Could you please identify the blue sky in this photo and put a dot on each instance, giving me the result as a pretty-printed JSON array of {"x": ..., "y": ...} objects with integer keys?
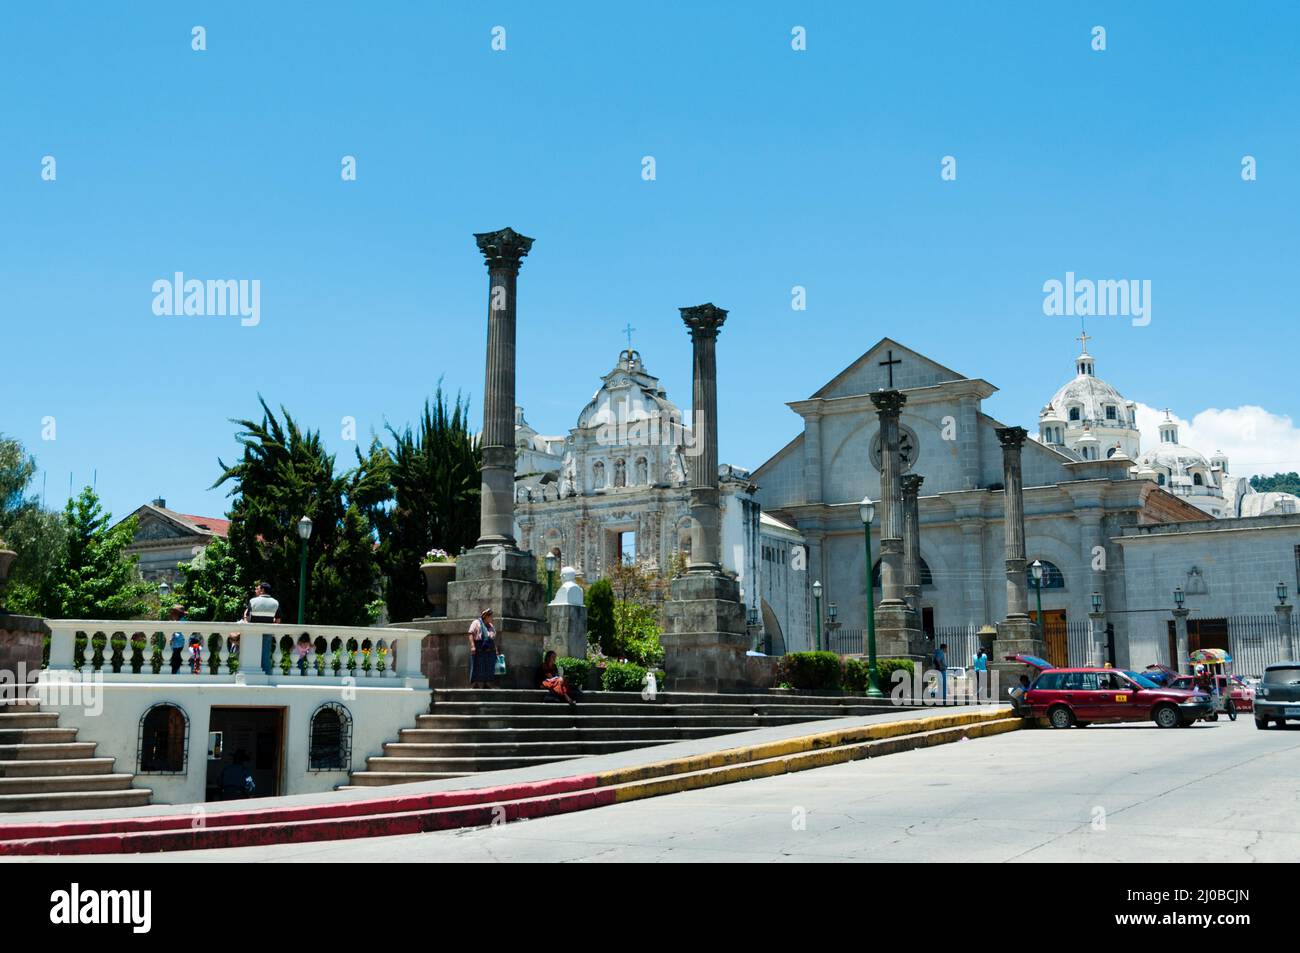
[{"x": 775, "y": 168}]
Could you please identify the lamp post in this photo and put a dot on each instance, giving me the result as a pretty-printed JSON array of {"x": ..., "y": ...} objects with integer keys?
[
  {"x": 832, "y": 625},
  {"x": 1180, "y": 631},
  {"x": 817, "y": 610},
  {"x": 304, "y": 533},
  {"x": 1037, "y": 571},
  {"x": 1284, "y": 622},
  {"x": 867, "y": 513},
  {"x": 164, "y": 590},
  {"x": 1096, "y": 615},
  {"x": 550, "y": 576}
]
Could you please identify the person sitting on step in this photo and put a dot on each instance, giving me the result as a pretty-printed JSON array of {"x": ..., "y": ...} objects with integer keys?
[{"x": 553, "y": 681}]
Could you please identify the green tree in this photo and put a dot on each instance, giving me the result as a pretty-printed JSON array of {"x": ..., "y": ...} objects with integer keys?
[
  {"x": 1277, "y": 483},
  {"x": 38, "y": 535},
  {"x": 636, "y": 633},
  {"x": 284, "y": 474},
  {"x": 601, "y": 627},
  {"x": 434, "y": 472},
  {"x": 213, "y": 587},
  {"x": 95, "y": 579}
]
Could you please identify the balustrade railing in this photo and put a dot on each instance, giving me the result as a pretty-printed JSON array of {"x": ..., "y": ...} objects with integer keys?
[{"x": 255, "y": 653}]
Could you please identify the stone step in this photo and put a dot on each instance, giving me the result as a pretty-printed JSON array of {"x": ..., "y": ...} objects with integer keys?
[
  {"x": 22, "y": 718},
  {"x": 642, "y": 708},
  {"x": 74, "y": 800},
  {"x": 65, "y": 783},
  {"x": 494, "y": 749},
  {"x": 371, "y": 779},
  {"x": 455, "y": 695},
  {"x": 40, "y": 767},
  {"x": 579, "y": 732},
  {"x": 41, "y": 752},
  {"x": 20, "y": 704},
  {"x": 464, "y": 765},
  {"x": 36, "y": 735},
  {"x": 562, "y": 720}
]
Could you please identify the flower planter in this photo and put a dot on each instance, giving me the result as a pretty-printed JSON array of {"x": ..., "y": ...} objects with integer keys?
[{"x": 436, "y": 577}]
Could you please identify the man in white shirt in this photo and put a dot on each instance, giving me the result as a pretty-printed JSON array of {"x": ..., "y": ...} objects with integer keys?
[{"x": 263, "y": 608}]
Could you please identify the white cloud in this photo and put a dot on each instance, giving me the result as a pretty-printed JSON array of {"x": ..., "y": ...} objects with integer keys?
[{"x": 1255, "y": 440}]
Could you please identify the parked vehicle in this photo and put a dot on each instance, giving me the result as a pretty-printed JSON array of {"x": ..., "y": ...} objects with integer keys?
[
  {"x": 1278, "y": 698},
  {"x": 1240, "y": 690},
  {"x": 1081, "y": 696}
]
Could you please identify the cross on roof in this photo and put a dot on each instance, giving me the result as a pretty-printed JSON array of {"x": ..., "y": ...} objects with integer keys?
[
  {"x": 1083, "y": 339},
  {"x": 889, "y": 365},
  {"x": 628, "y": 331}
]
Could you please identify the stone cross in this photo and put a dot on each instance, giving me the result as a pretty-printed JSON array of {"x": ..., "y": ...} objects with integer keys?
[
  {"x": 888, "y": 404},
  {"x": 504, "y": 252},
  {"x": 704, "y": 322},
  {"x": 912, "y": 539},
  {"x": 1013, "y": 440}
]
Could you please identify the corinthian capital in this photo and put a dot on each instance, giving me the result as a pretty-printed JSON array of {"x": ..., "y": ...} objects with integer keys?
[
  {"x": 911, "y": 483},
  {"x": 704, "y": 320},
  {"x": 503, "y": 249},
  {"x": 1011, "y": 438},
  {"x": 888, "y": 402}
]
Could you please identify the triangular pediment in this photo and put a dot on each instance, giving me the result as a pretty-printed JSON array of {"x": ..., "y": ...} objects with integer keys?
[{"x": 869, "y": 372}]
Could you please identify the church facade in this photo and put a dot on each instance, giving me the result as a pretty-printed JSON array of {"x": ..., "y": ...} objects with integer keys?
[{"x": 1074, "y": 508}]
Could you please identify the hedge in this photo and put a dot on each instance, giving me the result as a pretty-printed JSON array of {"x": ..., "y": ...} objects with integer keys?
[
  {"x": 576, "y": 671},
  {"x": 825, "y": 671}
]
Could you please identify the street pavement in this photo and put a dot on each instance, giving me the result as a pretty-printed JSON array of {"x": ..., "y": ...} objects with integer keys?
[{"x": 1108, "y": 793}]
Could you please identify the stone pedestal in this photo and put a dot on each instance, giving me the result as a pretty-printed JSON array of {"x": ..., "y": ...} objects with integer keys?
[
  {"x": 1015, "y": 637},
  {"x": 568, "y": 635},
  {"x": 1284, "y": 630},
  {"x": 705, "y": 639},
  {"x": 1181, "y": 664},
  {"x": 505, "y": 579}
]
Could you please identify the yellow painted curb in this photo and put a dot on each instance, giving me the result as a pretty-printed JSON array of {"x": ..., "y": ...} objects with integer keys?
[
  {"x": 809, "y": 759},
  {"x": 801, "y": 744}
]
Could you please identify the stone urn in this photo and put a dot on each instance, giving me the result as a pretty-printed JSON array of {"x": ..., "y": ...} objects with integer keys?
[
  {"x": 7, "y": 557},
  {"x": 436, "y": 577}
]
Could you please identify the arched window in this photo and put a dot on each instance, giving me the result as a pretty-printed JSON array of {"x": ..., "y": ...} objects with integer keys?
[
  {"x": 1160, "y": 479},
  {"x": 1196, "y": 480},
  {"x": 1074, "y": 413},
  {"x": 330, "y": 741},
  {"x": 164, "y": 740},
  {"x": 926, "y": 578},
  {"x": 1053, "y": 578}
]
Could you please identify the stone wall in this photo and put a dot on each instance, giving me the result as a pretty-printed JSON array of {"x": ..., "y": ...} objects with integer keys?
[{"x": 21, "y": 645}]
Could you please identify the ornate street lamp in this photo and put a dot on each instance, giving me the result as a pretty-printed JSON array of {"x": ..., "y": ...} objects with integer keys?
[
  {"x": 1096, "y": 602},
  {"x": 817, "y": 610},
  {"x": 867, "y": 513},
  {"x": 304, "y": 533},
  {"x": 1281, "y": 593},
  {"x": 550, "y": 575},
  {"x": 1178, "y": 596}
]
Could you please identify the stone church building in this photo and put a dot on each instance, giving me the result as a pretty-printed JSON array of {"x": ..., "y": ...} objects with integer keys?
[{"x": 1073, "y": 508}]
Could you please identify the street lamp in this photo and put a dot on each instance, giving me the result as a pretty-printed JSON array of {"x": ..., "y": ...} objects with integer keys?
[
  {"x": 1037, "y": 571},
  {"x": 1281, "y": 593},
  {"x": 550, "y": 575},
  {"x": 165, "y": 590},
  {"x": 1178, "y": 596},
  {"x": 304, "y": 533},
  {"x": 867, "y": 513},
  {"x": 817, "y": 599},
  {"x": 1096, "y": 602}
]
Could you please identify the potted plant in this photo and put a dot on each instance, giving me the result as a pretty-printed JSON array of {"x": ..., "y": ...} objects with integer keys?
[{"x": 439, "y": 568}]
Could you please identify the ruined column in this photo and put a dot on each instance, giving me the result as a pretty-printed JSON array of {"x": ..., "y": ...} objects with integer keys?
[
  {"x": 1182, "y": 663},
  {"x": 888, "y": 404},
  {"x": 1012, "y": 440},
  {"x": 912, "y": 540},
  {"x": 1016, "y": 634},
  {"x": 1284, "y": 630},
  {"x": 705, "y": 637},
  {"x": 504, "y": 252},
  {"x": 704, "y": 322}
]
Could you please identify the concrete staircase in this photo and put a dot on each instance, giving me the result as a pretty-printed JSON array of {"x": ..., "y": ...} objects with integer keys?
[
  {"x": 45, "y": 768},
  {"x": 470, "y": 731}
]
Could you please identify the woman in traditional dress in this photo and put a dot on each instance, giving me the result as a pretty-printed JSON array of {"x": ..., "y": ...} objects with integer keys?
[
  {"x": 553, "y": 681},
  {"x": 483, "y": 651}
]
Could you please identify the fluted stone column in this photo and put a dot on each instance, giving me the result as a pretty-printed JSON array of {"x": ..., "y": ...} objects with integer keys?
[
  {"x": 1016, "y": 634},
  {"x": 504, "y": 252},
  {"x": 888, "y": 404},
  {"x": 1182, "y": 663},
  {"x": 1013, "y": 440},
  {"x": 704, "y": 322},
  {"x": 897, "y": 631},
  {"x": 911, "y": 483},
  {"x": 705, "y": 637}
]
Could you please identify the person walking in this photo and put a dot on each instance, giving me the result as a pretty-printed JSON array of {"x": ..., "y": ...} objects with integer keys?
[
  {"x": 981, "y": 666},
  {"x": 941, "y": 666},
  {"x": 483, "y": 651}
]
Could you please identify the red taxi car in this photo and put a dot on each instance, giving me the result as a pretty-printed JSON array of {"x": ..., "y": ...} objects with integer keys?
[{"x": 1080, "y": 696}]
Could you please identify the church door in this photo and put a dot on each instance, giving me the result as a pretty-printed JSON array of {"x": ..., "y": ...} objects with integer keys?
[{"x": 1054, "y": 634}]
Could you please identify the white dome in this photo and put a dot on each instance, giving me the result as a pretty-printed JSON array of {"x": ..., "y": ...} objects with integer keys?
[
  {"x": 1265, "y": 504},
  {"x": 1174, "y": 457},
  {"x": 1091, "y": 396}
]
